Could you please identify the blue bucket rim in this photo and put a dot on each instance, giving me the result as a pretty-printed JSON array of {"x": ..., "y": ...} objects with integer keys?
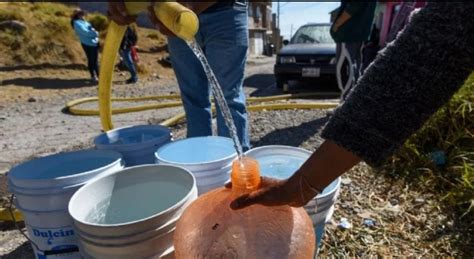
[
  {"x": 234, "y": 155},
  {"x": 124, "y": 171},
  {"x": 104, "y": 135},
  {"x": 17, "y": 169}
]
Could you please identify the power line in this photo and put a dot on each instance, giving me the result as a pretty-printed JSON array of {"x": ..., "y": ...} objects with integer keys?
[{"x": 278, "y": 14}]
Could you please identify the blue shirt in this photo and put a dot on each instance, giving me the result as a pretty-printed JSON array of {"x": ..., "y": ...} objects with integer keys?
[{"x": 86, "y": 33}]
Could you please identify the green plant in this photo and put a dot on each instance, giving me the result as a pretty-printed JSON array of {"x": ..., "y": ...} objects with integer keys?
[
  {"x": 57, "y": 25},
  {"x": 142, "y": 69},
  {"x": 53, "y": 9},
  {"x": 153, "y": 36},
  {"x": 451, "y": 131},
  {"x": 61, "y": 13},
  {"x": 7, "y": 38},
  {"x": 98, "y": 21},
  {"x": 8, "y": 15}
]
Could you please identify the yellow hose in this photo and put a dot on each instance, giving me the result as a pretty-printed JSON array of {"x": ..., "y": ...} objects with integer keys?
[
  {"x": 70, "y": 106},
  {"x": 275, "y": 106},
  {"x": 114, "y": 36},
  {"x": 180, "y": 20},
  {"x": 5, "y": 215}
]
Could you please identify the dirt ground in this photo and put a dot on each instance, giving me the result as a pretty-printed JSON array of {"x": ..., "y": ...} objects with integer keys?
[{"x": 405, "y": 223}]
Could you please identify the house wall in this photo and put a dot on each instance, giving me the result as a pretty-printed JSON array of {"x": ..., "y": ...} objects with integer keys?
[{"x": 260, "y": 26}]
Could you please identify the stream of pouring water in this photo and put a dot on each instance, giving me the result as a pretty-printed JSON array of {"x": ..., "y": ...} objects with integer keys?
[{"x": 218, "y": 95}]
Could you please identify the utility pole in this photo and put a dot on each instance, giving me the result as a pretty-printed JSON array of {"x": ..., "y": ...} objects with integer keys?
[
  {"x": 291, "y": 31},
  {"x": 278, "y": 14}
]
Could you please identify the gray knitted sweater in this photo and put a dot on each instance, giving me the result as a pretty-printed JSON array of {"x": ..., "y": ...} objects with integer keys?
[{"x": 408, "y": 81}]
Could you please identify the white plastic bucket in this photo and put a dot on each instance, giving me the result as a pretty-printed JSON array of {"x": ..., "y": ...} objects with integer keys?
[
  {"x": 132, "y": 213},
  {"x": 53, "y": 232},
  {"x": 43, "y": 187},
  {"x": 208, "y": 158},
  {"x": 57, "y": 198},
  {"x": 281, "y": 162},
  {"x": 137, "y": 144}
]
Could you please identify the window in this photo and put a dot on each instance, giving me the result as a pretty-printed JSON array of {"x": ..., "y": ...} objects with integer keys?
[{"x": 313, "y": 34}]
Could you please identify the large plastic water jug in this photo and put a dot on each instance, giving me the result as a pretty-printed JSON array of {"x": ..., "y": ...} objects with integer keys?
[{"x": 209, "y": 228}]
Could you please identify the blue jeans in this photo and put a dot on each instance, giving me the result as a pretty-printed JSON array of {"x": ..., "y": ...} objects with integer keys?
[
  {"x": 223, "y": 36},
  {"x": 128, "y": 61}
]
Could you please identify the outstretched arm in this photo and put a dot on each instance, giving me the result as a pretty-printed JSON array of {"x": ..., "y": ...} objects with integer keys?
[{"x": 409, "y": 80}]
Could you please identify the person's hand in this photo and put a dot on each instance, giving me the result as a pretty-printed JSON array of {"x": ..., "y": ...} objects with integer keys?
[
  {"x": 196, "y": 7},
  {"x": 294, "y": 191},
  {"x": 118, "y": 13},
  {"x": 157, "y": 23}
]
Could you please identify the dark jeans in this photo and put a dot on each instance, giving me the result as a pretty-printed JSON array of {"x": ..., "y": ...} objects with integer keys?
[{"x": 92, "y": 54}]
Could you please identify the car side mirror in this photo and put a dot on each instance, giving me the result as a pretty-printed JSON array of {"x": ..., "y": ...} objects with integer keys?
[{"x": 285, "y": 42}]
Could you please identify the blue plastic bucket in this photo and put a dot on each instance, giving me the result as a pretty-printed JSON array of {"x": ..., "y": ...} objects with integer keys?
[
  {"x": 281, "y": 162},
  {"x": 137, "y": 144},
  {"x": 43, "y": 188},
  {"x": 208, "y": 158}
]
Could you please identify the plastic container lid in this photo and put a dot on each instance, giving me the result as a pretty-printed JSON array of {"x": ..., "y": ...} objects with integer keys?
[{"x": 63, "y": 169}]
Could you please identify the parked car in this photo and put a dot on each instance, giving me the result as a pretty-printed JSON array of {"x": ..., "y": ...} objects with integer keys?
[{"x": 310, "y": 55}]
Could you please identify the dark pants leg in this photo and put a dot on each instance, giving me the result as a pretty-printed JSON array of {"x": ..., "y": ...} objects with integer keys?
[
  {"x": 92, "y": 53},
  {"x": 355, "y": 50}
]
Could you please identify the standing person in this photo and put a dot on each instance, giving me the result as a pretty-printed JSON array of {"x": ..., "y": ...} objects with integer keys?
[
  {"x": 370, "y": 49},
  {"x": 128, "y": 42},
  {"x": 408, "y": 81},
  {"x": 350, "y": 30},
  {"x": 223, "y": 35},
  {"x": 89, "y": 38}
]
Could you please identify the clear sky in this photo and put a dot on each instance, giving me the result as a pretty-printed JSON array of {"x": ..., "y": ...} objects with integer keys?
[{"x": 299, "y": 13}]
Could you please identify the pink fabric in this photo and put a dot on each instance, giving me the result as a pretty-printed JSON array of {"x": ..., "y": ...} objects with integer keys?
[{"x": 389, "y": 18}]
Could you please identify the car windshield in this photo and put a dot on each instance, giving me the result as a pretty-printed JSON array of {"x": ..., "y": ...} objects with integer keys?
[{"x": 313, "y": 34}]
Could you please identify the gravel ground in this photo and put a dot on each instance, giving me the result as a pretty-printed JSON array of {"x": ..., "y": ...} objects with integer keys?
[{"x": 405, "y": 223}]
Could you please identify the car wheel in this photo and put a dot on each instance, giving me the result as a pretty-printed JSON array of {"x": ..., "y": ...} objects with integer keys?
[{"x": 280, "y": 82}]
